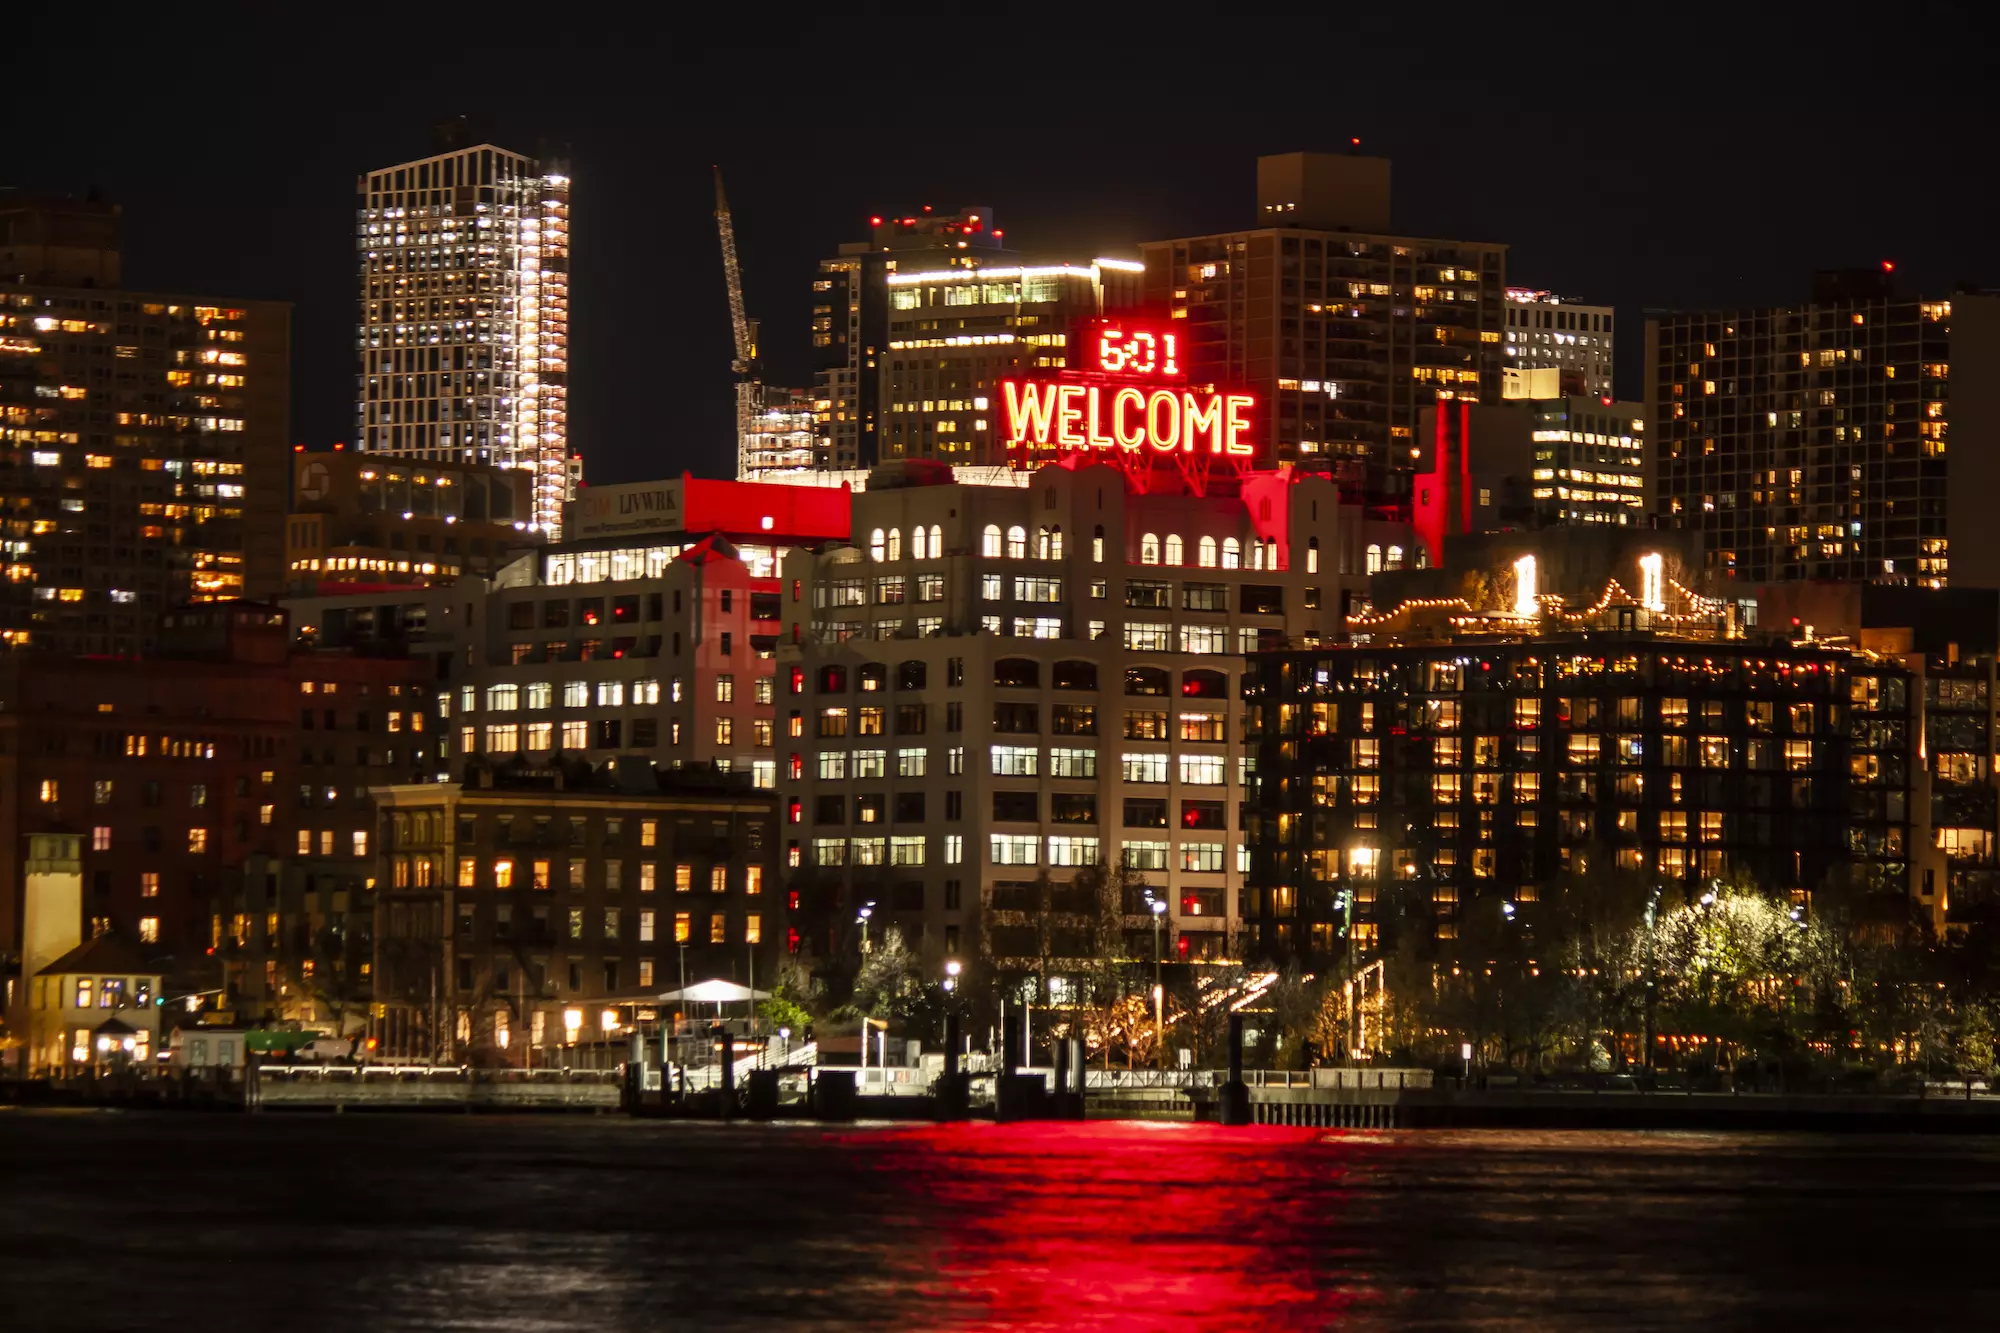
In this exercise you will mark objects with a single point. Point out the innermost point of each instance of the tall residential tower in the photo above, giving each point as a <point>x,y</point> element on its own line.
<point>464,314</point>
<point>1345,329</point>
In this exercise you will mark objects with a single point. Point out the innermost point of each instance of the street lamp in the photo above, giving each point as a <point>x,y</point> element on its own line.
<point>867,911</point>
<point>1159,990</point>
<point>951,971</point>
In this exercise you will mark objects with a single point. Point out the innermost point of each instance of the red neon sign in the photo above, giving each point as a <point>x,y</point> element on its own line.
<point>1126,418</point>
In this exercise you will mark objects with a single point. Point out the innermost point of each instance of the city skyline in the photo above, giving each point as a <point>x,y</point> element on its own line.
<point>1572,196</point>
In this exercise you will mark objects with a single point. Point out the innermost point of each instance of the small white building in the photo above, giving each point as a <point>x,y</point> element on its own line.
<point>94,1008</point>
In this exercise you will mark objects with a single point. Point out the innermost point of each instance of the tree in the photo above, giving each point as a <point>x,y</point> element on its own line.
<point>1972,1044</point>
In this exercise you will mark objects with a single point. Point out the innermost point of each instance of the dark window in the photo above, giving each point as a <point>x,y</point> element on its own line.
<point>911,675</point>
<point>954,805</point>
<point>1263,599</point>
<point>1071,675</point>
<point>1144,813</point>
<point>1017,719</point>
<point>1203,815</point>
<point>910,719</point>
<point>909,806</point>
<point>521,615</point>
<point>1017,673</point>
<point>1073,807</point>
<point>830,810</point>
<point>954,671</point>
<point>951,892</point>
<point>1203,684</point>
<point>1017,805</point>
<point>833,680</point>
<point>954,716</point>
<point>1145,680</point>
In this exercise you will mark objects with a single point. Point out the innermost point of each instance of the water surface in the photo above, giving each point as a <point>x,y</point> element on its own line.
<point>115,1220</point>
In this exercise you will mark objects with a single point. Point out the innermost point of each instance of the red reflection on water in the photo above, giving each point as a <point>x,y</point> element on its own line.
<point>1125,1225</point>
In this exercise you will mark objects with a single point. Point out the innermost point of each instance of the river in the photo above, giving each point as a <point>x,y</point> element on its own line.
<point>190,1222</point>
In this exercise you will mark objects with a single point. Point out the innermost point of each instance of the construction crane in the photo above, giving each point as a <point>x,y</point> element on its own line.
<point>745,363</point>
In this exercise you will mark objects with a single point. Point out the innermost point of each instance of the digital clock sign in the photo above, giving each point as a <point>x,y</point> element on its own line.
<point>1131,347</point>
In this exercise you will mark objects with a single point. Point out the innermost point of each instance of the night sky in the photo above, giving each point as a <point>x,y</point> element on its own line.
<point>1702,157</point>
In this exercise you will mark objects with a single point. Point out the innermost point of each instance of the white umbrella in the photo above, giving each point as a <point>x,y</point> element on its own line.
<point>715,992</point>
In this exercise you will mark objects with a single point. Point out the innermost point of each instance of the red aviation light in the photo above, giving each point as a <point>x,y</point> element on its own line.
<point>874,222</point>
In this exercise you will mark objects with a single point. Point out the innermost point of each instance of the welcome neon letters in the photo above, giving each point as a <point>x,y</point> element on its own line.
<point>1102,416</point>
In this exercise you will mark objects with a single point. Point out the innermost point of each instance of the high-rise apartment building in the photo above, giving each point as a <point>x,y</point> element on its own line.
<point>850,320</point>
<point>463,338</point>
<point>1344,330</point>
<point>1550,332</point>
<point>142,441</point>
<point>1816,441</point>
<point>956,333</point>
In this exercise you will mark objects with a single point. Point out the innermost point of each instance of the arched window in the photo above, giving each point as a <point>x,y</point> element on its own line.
<point>1149,549</point>
<point>1395,560</point>
<point>989,543</point>
<point>1204,685</point>
<point>1055,542</point>
<point>1312,555</point>
<point>895,543</point>
<point>1176,553</point>
<point>1017,673</point>
<point>917,547</point>
<point>876,543</point>
<point>1145,680</point>
<point>1069,675</point>
<point>937,542</point>
<point>1206,558</point>
<point>1374,558</point>
<point>1256,555</point>
<point>1017,543</point>
<point>1421,558</point>
<point>1097,545</point>
<point>1270,553</point>
<point>1232,553</point>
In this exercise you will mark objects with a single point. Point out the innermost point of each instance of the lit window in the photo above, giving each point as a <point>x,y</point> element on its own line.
<point>197,840</point>
<point>100,838</point>
<point>503,874</point>
<point>149,930</point>
<point>360,842</point>
<point>51,791</point>
<point>718,879</point>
